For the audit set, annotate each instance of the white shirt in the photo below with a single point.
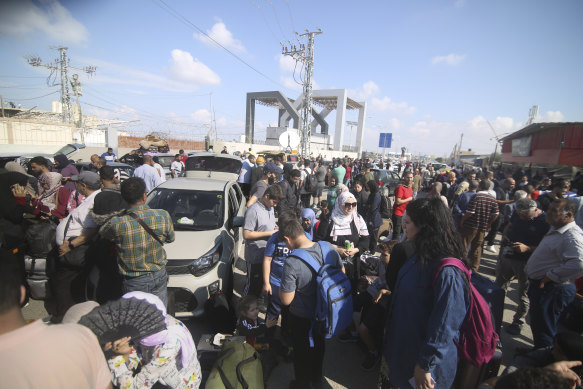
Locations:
(304, 173)
(176, 168)
(160, 171)
(80, 220)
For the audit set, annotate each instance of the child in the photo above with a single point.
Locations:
(248, 324)
(323, 220)
(375, 304)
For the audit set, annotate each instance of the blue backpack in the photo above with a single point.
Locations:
(334, 296)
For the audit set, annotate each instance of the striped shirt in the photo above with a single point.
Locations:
(483, 208)
(138, 252)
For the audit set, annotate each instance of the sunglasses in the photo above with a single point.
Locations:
(349, 205)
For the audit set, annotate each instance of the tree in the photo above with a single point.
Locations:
(439, 159)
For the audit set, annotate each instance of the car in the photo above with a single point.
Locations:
(207, 208)
(386, 179)
(165, 160)
(128, 169)
(23, 153)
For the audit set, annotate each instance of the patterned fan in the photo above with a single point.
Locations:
(124, 317)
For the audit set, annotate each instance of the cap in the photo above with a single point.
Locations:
(260, 160)
(270, 167)
(525, 205)
(88, 178)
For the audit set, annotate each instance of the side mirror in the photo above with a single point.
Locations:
(238, 221)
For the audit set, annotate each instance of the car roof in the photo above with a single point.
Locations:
(219, 155)
(112, 164)
(203, 184)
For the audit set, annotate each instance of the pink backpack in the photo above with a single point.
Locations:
(477, 341)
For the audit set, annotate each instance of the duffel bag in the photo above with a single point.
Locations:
(237, 367)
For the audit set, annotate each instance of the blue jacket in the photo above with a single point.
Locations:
(424, 322)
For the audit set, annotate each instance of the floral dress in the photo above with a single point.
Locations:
(159, 363)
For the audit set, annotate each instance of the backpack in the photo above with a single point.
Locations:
(333, 293)
(237, 367)
(477, 341)
(308, 182)
(386, 209)
(40, 238)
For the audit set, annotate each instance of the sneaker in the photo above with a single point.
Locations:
(491, 249)
(514, 329)
(347, 337)
(370, 361)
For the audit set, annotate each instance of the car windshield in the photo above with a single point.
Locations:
(189, 209)
(209, 163)
(165, 160)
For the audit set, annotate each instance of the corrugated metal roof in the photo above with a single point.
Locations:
(536, 127)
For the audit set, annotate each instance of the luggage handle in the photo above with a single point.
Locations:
(240, 367)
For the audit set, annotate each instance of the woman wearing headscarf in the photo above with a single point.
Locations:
(11, 213)
(309, 221)
(66, 169)
(347, 232)
(361, 196)
(32, 186)
(373, 214)
(52, 201)
(168, 357)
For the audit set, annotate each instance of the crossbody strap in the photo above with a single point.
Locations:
(146, 227)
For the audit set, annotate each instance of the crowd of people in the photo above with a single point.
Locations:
(337, 213)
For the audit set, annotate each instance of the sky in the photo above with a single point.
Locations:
(429, 70)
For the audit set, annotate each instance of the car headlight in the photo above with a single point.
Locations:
(205, 263)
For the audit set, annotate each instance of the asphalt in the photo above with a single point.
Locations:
(342, 360)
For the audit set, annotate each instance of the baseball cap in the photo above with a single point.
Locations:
(270, 167)
(260, 160)
(88, 178)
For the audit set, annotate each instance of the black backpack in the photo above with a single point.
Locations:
(386, 208)
(309, 182)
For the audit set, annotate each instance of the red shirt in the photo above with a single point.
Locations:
(402, 192)
(348, 172)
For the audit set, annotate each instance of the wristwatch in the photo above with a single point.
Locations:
(71, 247)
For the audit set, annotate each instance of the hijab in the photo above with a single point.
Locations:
(13, 166)
(342, 220)
(62, 160)
(48, 197)
(175, 328)
(308, 213)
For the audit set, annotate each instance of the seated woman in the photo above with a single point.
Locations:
(168, 357)
(346, 228)
(52, 201)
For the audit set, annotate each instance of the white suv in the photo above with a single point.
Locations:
(208, 209)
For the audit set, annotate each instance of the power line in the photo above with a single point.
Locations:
(188, 22)
(290, 14)
(22, 76)
(33, 98)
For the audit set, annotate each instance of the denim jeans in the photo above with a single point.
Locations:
(546, 306)
(506, 269)
(154, 283)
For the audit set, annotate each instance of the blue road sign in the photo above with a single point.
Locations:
(385, 139)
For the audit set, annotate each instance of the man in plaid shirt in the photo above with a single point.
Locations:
(481, 212)
(141, 258)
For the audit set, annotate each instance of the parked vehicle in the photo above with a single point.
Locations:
(207, 208)
(82, 166)
(24, 153)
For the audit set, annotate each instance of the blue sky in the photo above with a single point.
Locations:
(429, 70)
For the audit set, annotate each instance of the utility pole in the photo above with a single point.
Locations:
(61, 65)
(305, 54)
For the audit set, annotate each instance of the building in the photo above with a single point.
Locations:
(545, 144)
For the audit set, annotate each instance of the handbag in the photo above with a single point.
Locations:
(75, 257)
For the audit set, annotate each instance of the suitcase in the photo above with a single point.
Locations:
(37, 277)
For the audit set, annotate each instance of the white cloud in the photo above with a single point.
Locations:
(23, 17)
(185, 68)
(551, 116)
(386, 103)
(286, 63)
(201, 115)
(395, 124)
(219, 33)
(290, 83)
(451, 59)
